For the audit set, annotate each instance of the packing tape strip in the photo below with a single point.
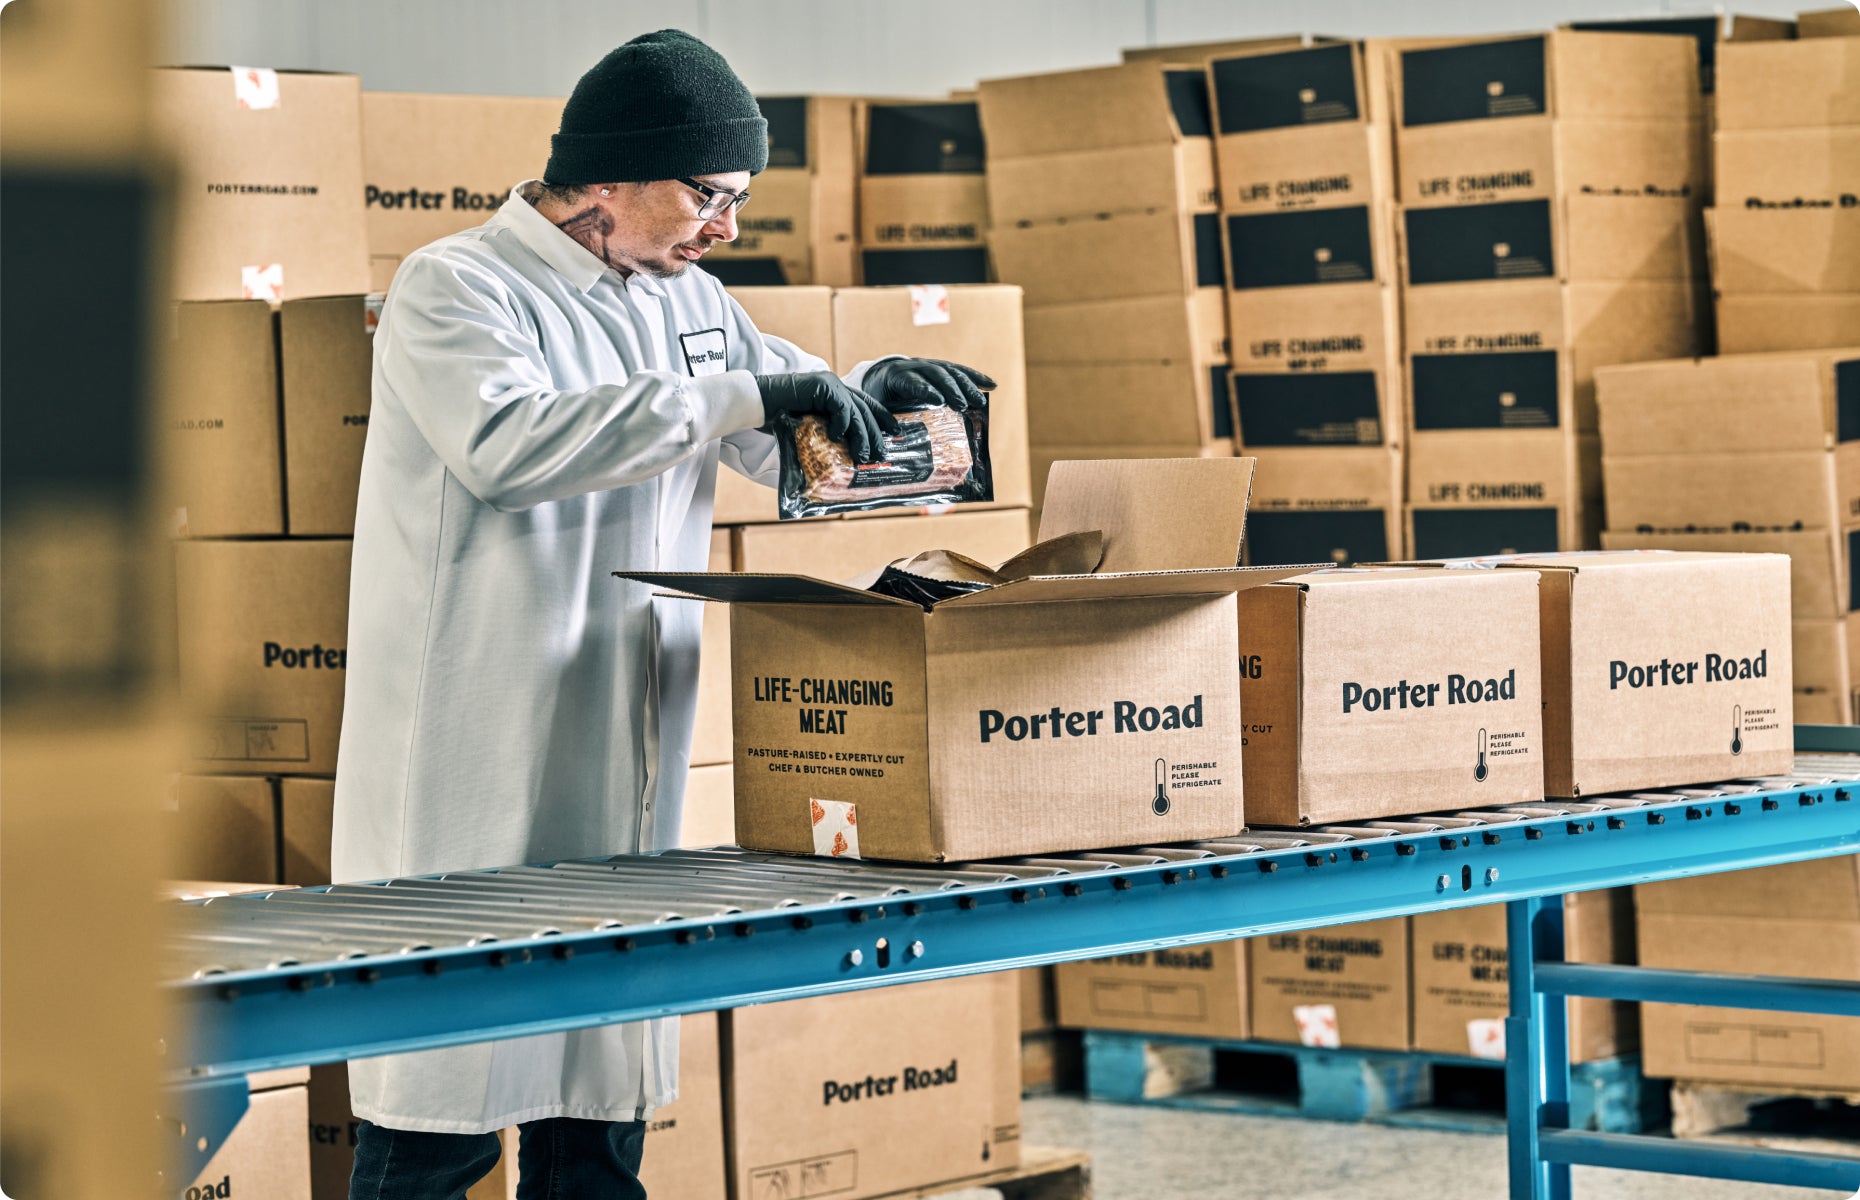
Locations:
(1317, 1025)
(255, 87)
(1485, 1037)
(929, 304)
(836, 828)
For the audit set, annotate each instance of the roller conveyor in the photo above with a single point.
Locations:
(306, 976)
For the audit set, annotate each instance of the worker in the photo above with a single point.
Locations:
(553, 393)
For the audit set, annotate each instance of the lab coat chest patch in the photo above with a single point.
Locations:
(704, 351)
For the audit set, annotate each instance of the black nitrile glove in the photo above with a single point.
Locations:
(901, 384)
(853, 418)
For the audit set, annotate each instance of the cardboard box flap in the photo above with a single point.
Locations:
(1099, 108)
(757, 589)
(1127, 585)
(1157, 514)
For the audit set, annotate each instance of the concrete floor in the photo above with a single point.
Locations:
(1150, 1153)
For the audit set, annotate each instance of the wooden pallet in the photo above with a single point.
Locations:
(1045, 1173)
(1413, 1089)
(1051, 1061)
(1816, 1122)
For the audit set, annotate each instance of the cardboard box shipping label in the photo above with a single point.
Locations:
(1344, 985)
(1662, 668)
(1188, 989)
(1381, 691)
(1305, 128)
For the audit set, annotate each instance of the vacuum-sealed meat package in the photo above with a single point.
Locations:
(938, 456)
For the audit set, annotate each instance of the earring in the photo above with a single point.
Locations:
(607, 191)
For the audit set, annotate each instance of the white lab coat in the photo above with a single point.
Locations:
(538, 423)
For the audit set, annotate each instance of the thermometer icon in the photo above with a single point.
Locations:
(1160, 805)
(1737, 729)
(1479, 772)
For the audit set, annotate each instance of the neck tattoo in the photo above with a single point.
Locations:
(591, 227)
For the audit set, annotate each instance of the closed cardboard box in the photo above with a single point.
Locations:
(307, 810)
(1788, 84)
(1376, 692)
(1344, 327)
(1344, 985)
(800, 228)
(1823, 657)
(1080, 144)
(1762, 254)
(1580, 238)
(1170, 329)
(840, 550)
(922, 197)
(867, 726)
(1750, 323)
(326, 352)
(1329, 505)
(1169, 400)
(1501, 491)
(219, 437)
(1667, 426)
(1550, 114)
(1818, 559)
(264, 631)
(1159, 253)
(978, 327)
(1816, 168)
(804, 316)
(1037, 1013)
(434, 165)
(268, 192)
(266, 1154)
(1461, 977)
(1196, 991)
(222, 827)
(710, 736)
(865, 1093)
(1662, 668)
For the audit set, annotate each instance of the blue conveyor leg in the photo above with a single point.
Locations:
(1536, 1050)
(201, 1114)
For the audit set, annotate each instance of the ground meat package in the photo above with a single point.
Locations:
(938, 456)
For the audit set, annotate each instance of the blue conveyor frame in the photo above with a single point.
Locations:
(228, 1025)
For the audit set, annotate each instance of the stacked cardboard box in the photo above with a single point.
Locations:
(434, 165)
(1756, 452)
(1551, 206)
(1307, 190)
(800, 226)
(1800, 920)
(1785, 234)
(1101, 206)
(922, 210)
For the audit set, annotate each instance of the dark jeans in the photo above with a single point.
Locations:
(557, 1159)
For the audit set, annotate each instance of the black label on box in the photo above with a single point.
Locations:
(1470, 532)
(1703, 30)
(1473, 83)
(1285, 539)
(1475, 242)
(1276, 91)
(787, 118)
(924, 139)
(1222, 398)
(1316, 408)
(1847, 401)
(952, 264)
(732, 271)
(1853, 571)
(1323, 245)
(1188, 100)
(1208, 264)
(1485, 391)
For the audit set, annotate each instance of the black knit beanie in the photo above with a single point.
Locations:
(662, 106)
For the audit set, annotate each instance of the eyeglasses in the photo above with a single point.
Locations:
(715, 199)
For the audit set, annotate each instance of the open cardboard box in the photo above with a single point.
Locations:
(1055, 712)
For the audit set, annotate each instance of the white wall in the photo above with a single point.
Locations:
(864, 47)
